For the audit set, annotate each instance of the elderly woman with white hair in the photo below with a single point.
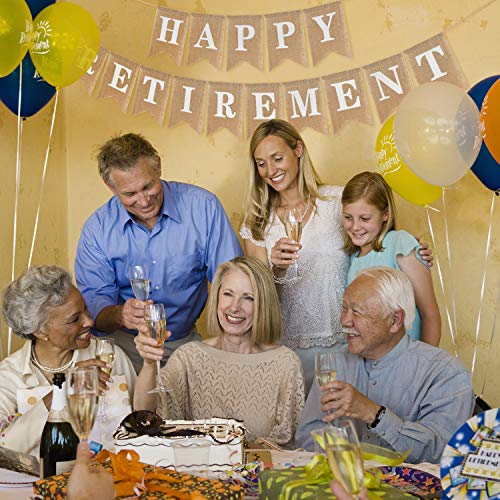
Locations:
(45, 308)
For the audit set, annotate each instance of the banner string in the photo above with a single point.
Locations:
(42, 184)
(441, 281)
(493, 196)
(18, 185)
(450, 267)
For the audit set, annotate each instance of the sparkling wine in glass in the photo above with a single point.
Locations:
(325, 367)
(344, 455)
(292, 219)
(154, 317)
(82, 390)
(139, 280)
(105, 351)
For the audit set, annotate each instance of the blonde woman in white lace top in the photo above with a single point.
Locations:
(283, 177)
(240, 371)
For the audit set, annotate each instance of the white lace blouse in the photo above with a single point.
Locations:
(311, 305)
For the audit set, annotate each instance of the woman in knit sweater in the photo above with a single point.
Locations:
(239, 371)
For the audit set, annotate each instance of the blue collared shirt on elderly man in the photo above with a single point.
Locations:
(427, 394)
(189, 240)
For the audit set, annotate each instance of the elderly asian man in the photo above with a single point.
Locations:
(402, 394)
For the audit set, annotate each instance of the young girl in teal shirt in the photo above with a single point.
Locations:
(369, 219)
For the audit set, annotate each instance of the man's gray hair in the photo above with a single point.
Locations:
(123, 152)
(394, 291)
(27, 300)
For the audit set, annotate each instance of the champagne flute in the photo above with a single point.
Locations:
(325, 367)
(292, 219)
(105, 351)
(82, 389)
(139, 281)
(344, 455)
(154, 317)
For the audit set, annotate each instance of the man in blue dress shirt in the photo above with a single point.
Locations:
(179, 231)
(402, 394)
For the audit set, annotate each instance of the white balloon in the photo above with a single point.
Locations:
(437, 132)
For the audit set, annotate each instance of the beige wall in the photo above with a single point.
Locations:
(378, 29)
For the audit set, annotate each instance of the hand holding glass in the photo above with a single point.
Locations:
(154, 317)
(344, 455)
(139, 281)
(82, 390)
(105, 351)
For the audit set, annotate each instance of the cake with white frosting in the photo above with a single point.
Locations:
(152, 438)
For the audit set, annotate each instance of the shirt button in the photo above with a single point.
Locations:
(375, 363)
(154, 261)
(157, 287)
(374, 382)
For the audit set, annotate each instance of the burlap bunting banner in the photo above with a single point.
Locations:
(225, 108)
(327, 31)
(389, 81)
(188, 103)
(433, 60)
(304, 104)
(152, 93)
(206, 39)
(263, 102)
(347, 98)
(169, 33)
(343, 96)
(285, 38)
(89, 79)
(245, 41)
(118, 79)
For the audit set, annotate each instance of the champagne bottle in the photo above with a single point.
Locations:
(59, 441)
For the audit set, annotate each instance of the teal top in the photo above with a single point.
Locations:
(395, 243)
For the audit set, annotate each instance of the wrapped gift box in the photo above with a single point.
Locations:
(159, 483)
(273, 484)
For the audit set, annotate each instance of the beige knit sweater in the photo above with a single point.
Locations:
(265, 390)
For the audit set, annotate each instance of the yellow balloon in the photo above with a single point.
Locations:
(65, 43)
(395, 172)
(15, 34)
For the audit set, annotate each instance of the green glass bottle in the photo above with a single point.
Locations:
(59, 442)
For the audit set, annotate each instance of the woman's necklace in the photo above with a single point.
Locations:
(48, 369)
(306, 209)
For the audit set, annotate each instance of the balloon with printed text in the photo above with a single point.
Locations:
(15, 34)
(485, 168)
(437, 132)
(397, 174)
(65, 43)
(490, 120)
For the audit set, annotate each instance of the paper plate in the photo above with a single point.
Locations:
(470, 465)
(413, 481)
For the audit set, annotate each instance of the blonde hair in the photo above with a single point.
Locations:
(262, 198)
(372, 188)
(266, 323)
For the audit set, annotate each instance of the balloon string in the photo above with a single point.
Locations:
(483, 283)
(448, 251)
(491, 342)
(42, 184)
(442, 283)
(18, 184)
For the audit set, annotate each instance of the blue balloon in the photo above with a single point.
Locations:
(485, 168)
(36, 92)
(37, 6)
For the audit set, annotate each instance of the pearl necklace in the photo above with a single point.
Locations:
(48, 369)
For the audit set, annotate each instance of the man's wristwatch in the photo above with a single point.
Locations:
(378, 418)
